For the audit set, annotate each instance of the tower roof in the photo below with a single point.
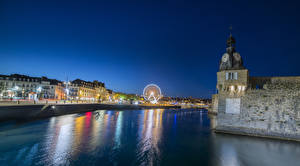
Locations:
(231, 60)
(230, 41)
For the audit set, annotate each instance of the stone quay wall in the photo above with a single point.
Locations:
(272, 111)
(214, 105)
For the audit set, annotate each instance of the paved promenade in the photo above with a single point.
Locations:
(25, 111)
(43, 102)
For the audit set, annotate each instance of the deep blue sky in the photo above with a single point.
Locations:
(128, 44)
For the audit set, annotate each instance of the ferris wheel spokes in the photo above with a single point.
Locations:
(152, 93)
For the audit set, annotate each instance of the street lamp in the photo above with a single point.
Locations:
(67, 88)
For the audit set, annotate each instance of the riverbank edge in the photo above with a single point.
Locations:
(257, 133)
(25, 112)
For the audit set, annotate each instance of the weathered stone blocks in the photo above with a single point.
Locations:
(265, 112)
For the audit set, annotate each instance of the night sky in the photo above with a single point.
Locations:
(129, 44)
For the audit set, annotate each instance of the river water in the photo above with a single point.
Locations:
(140, 137)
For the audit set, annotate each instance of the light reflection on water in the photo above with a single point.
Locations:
(142, 137)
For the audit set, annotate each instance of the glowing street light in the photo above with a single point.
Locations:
(39, 89)
(16, 88)
(67, 90)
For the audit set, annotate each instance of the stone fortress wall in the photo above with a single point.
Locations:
(258, 106)
(269, 107)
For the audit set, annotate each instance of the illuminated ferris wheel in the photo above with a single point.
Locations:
(152, 93)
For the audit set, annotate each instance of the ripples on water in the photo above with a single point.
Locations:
(142, 137)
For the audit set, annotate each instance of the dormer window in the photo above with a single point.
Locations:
(231, 76)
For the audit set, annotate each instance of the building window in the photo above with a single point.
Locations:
(235, 75)
(231, 76)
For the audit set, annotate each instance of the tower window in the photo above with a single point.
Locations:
(235, 75)
(231, 76)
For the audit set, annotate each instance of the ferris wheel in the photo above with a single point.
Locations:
(152, 93)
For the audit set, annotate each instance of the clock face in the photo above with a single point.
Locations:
(237, 56)
(225, 57)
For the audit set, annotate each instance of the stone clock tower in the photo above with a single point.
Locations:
(252, 105)
(231, 60)
(232, 80)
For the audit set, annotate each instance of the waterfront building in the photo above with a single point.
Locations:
(110, 95)
(52, 89)
(261, 106)
(86, 90)
(81, 90)
(100, 93)
(16, 86)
